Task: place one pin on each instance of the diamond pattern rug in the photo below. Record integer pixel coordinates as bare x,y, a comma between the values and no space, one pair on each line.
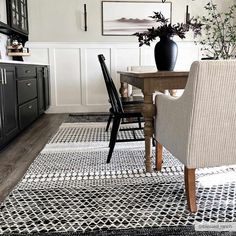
70,189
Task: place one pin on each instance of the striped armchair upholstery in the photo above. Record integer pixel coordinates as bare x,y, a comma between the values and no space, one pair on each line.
199,128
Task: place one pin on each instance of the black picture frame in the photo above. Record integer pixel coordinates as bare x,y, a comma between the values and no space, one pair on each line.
120,19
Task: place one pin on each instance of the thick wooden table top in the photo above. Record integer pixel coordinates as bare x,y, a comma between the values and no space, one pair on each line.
157,74
159,80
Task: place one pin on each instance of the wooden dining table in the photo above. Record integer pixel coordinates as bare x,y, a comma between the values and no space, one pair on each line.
149,83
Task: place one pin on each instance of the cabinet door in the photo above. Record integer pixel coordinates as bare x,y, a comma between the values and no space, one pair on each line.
23,16
1,128
18,15
1,108
43,89
9,103
40,83
46,89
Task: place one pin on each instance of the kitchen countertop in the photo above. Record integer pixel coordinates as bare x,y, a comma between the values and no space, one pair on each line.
22,62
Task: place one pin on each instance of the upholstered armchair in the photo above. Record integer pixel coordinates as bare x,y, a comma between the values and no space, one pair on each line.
199,128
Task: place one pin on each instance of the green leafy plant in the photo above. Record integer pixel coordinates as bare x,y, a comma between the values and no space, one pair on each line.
218,39
166,29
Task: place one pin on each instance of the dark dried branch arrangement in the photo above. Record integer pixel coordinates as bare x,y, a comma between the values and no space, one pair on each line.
166,29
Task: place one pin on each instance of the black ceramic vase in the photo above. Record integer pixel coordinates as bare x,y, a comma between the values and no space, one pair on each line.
166,51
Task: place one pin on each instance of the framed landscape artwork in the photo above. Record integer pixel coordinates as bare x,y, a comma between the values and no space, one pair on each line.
126,18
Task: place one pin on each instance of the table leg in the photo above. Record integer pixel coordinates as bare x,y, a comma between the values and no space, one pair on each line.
149,110
123,89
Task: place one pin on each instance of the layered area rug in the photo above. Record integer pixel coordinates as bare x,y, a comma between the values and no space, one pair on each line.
70,190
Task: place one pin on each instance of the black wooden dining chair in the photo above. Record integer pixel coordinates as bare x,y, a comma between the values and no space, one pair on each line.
126,101
118,111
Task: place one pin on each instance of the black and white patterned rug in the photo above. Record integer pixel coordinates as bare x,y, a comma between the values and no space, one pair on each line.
70,190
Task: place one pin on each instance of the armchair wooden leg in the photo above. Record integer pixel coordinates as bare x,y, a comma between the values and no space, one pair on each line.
190,188
158,156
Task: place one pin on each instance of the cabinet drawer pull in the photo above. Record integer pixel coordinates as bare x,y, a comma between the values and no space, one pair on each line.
28,84
30,107
27,71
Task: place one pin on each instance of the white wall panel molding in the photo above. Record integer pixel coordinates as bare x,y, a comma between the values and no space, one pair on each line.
68,82
83,75
95,87
52,71
124,57
77,83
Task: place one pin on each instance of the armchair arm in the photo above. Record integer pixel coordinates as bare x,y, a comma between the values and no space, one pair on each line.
172,124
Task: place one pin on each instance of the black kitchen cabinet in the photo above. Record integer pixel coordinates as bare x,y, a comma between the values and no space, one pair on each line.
8,101
27,94
24,96
18,15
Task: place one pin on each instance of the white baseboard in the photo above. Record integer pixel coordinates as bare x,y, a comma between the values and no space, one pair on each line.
77,109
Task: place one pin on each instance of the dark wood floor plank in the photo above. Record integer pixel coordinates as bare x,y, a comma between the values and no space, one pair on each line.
17,156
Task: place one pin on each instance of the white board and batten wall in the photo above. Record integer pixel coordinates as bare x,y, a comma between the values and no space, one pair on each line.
76,78
56,38
77,83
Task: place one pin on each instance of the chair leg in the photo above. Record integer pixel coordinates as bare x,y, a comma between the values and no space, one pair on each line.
114,132
154,142
158,156
190,188
139,123
133,131
108,122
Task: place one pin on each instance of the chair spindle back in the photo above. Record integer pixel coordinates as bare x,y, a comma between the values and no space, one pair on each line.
110,86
